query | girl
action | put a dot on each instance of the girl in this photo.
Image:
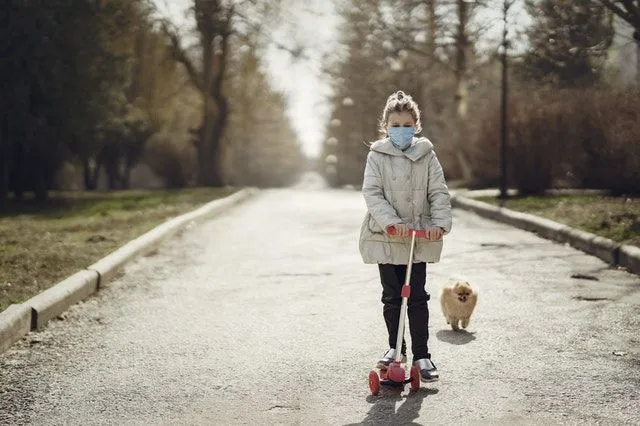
(404, 187)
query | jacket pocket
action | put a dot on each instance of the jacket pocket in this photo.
(373, 226)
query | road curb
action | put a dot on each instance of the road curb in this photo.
(608, 250)
(15, 322)
(108, 266)
(57, 299)
(630, 258)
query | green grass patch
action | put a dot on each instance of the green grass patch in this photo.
(617, 218)
(43, 243)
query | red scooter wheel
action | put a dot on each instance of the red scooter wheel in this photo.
(415, 379)
(396, 373)
(374, 383)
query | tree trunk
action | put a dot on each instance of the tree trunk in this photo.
(17, 171)
(112, 179)
(205, 166)
(216, 114)
(432, 27)
(40, 180)
(209, 158)
(216, 141)
(91, 175)
(207, 173)
(461, 94)
(4, 163)
(638, 60)
(126, 177)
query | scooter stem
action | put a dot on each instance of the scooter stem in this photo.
(406, 290)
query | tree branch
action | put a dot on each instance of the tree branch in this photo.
(222, 56)
(181, 56)
(634, 10)
(618, 11)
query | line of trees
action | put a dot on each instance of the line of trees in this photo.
(425, 47)
(100, 86)
(446, 53)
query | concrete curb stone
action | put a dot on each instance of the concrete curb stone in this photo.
(15, 323)
(57, 299)
(630, 258)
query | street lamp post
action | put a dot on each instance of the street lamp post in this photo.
(636, 37)
(504, 131)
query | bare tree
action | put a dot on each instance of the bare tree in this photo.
(449, 45)
(214, 26)
(217, 21)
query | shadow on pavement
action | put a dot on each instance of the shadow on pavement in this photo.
(383, 410)
(461, 337)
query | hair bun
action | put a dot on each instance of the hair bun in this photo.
(398, 97)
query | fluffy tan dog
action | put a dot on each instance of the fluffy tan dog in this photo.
(457, 302)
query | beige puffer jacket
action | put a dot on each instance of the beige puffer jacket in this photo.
(403, 187)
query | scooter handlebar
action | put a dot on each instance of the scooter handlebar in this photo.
(420, 233)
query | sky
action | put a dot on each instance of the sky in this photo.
(313, 25)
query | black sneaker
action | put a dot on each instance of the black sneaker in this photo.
(388, 358)
(428, 370)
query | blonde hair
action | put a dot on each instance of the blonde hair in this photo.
(399, 102)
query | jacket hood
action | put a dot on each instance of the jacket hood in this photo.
(420, 146)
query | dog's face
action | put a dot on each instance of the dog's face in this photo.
(463, 290)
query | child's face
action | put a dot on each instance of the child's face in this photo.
(400, 119)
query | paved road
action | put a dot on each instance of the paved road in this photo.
(266, 315)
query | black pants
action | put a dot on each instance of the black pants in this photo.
(392, 278)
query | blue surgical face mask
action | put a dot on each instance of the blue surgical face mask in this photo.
(401, 137)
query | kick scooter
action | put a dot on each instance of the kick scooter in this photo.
(396, 374)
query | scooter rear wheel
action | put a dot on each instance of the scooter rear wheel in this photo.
(374, 383)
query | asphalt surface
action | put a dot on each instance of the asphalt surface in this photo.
(266, 315)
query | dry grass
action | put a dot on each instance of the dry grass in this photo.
(617, 218)
(41, 244)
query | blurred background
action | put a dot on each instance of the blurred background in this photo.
(120, 94)
(572, 105)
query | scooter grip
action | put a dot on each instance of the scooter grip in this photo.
(391, 230)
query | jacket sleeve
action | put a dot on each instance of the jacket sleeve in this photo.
(379, 208)
(438, 195)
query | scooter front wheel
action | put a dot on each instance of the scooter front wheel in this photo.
(415, 379)
(374, 383)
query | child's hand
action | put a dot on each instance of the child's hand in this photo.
(434, 233)
(402, 230)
